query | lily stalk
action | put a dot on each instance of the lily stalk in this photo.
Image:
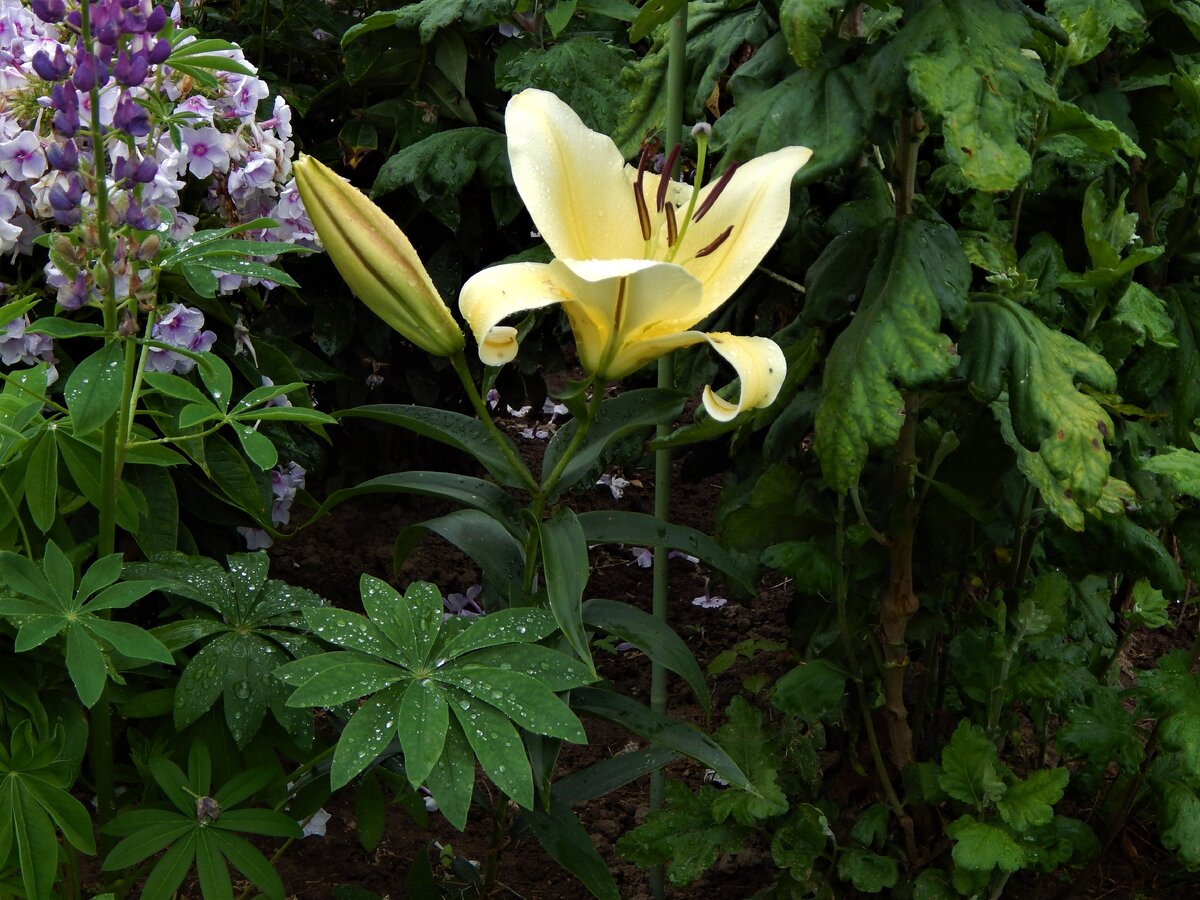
(376, 260)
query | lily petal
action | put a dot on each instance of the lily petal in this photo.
(758, 361)
(573, 180)
(755, 202)
(491, 296)
(611, 304)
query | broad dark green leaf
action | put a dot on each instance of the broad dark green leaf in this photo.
(496, 745)
(604, 526)
(452, 780)
(464, 433)
(655, 727)
(521, 697)
(501, 558)
(566, 567)
(93, 390)
(919, 275)
(41, 481)
(653, 637)
(367, 733)
(567, 841)
(422, 722)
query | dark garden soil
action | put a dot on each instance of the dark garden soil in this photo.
(357, 537)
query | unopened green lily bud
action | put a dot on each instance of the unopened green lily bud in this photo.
(375, 259)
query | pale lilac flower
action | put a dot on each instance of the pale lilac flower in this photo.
(281, 400)
(466, 605)
(535, 434)
(493, 398)
(615, 483)
(553, 409)
(706, 601)
(518, 413)
(204, 151)
(285, 482)
(314, 825)
(256, 538)
(180, 327)
(22, 159)
(643, 556)
(430, 804)
(679, 554)
(19, 346)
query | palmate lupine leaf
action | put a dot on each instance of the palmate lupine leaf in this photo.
(919, 275)
(1007, 348)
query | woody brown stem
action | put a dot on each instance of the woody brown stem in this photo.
(900, 602)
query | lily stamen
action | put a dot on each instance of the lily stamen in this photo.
(639, 198)
(672, 227)
(715, 192)
(664, 180)
(717, 242)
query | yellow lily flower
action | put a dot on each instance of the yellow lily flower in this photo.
(375, 259)
(639, 260)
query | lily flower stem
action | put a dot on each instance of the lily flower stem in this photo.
(676, 83)
(459, 360)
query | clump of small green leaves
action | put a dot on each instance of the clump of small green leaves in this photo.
(249, 625)
(202, 831)
(451, 692)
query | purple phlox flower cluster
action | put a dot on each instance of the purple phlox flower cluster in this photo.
(465, 604)
(47, 75)
(181, 327)
(17, 346)
(615, 483)
(285, 482)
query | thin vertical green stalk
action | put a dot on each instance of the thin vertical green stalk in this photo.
(100, 724)
(676, 82)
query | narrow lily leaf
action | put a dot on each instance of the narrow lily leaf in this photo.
(463, 490)
(523, 699)
(605, 526)
(642, 720)
(500, 556)
(505, 626)
(464, 433)
(452, 780)
(423, 721)
(369, 731)
(631, 412)
(565, 563)
(607, 775)
(654, 638)
(497, 746)
(567, 841)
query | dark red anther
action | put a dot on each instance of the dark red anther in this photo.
(665, 179)
(672, 227)
(715, 193)
(717, 242)
(639, 198)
